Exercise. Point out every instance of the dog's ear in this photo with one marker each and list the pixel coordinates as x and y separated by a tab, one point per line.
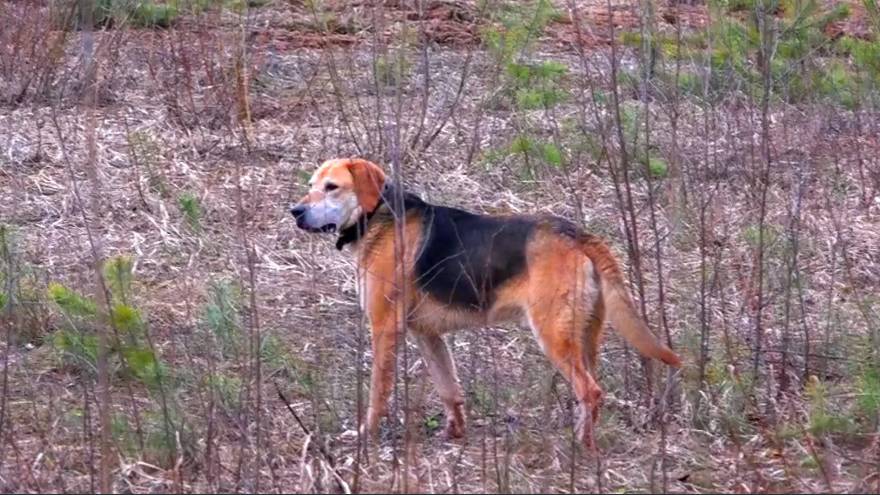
368	182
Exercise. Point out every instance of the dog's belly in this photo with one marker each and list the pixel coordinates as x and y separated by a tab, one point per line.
430	316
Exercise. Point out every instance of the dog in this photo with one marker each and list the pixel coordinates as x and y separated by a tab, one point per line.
463	270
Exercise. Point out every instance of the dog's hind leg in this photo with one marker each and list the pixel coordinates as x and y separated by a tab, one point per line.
566	352
441	367
594	327
562	319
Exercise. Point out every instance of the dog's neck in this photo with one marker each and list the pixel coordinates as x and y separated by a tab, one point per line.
358	229
393	204
355	231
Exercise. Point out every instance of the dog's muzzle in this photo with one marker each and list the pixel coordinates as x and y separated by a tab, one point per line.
299	213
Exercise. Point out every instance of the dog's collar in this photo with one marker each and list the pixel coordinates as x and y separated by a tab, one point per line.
397	202
355	231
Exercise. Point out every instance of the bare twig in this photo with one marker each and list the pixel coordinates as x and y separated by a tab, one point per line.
343	487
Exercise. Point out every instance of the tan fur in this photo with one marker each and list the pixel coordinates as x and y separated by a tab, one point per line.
620	308
565	295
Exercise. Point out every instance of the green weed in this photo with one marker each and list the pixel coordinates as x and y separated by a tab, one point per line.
221	316
192	211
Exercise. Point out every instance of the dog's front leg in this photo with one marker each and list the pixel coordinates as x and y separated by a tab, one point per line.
384	304
384	333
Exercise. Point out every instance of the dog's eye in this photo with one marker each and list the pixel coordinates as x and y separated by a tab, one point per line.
330	187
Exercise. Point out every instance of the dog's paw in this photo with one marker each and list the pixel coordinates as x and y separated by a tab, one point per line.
455	424
454	429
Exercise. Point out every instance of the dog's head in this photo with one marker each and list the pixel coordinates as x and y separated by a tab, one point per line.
340	191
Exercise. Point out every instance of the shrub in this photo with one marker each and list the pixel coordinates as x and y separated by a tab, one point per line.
221	317
77	343
145	151
527	85
22	299
228	391
192	211
77	350
824	417
158	436
113	13
391	71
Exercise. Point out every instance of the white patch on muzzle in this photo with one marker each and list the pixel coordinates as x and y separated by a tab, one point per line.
339	212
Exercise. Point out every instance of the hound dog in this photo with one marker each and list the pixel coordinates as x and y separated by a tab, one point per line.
464	270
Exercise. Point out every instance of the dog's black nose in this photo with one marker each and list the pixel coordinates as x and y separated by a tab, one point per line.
298	211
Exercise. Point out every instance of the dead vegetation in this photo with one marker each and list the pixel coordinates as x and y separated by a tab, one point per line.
750	229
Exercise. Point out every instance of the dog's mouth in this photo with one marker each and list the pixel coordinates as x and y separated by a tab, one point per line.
330	227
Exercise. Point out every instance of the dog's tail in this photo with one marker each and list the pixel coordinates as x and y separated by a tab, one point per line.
619	306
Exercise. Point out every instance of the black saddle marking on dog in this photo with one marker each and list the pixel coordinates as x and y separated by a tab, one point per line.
464	257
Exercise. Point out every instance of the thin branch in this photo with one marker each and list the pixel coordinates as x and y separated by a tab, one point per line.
343	487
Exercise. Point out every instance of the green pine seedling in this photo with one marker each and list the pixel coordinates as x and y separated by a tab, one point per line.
192	211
